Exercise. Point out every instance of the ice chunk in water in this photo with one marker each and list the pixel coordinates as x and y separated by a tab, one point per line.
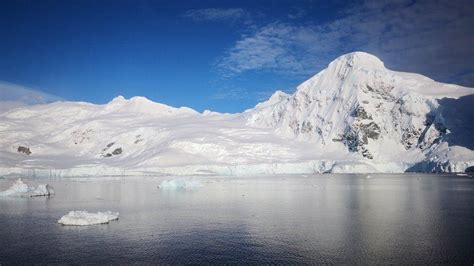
16	188
82	218
42	190
179	183
19	188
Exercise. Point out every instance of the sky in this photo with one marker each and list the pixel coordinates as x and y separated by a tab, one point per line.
224	56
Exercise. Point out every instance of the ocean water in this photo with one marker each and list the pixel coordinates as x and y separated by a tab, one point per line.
339	219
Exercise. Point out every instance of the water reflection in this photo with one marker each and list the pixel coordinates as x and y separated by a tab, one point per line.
294	219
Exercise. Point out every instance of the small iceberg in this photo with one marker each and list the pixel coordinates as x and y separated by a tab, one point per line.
179	184
43	190
19	188
82	218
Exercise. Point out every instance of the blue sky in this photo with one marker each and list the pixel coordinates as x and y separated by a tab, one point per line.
221	55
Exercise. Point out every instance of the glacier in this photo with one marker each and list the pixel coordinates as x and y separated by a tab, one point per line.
355	116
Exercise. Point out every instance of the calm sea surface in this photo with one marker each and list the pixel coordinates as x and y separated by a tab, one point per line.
284	219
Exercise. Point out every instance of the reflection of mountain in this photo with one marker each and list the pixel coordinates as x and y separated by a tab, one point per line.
354	116
334	219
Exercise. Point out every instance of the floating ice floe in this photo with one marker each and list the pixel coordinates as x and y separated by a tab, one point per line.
19	188
82	218
179	183
42	190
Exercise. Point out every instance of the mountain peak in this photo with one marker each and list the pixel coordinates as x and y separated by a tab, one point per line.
141	100
118	99
358	60
278	96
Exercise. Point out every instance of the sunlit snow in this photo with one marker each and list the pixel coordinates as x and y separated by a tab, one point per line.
356	116
82	218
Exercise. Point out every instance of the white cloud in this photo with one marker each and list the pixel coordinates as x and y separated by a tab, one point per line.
435	38
276	47
14	95
296	13
241	94
218	14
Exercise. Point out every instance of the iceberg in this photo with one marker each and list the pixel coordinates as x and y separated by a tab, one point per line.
179	184
42	190
19	188
83	218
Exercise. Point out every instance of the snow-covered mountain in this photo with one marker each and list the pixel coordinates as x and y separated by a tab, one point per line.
378	113
354	116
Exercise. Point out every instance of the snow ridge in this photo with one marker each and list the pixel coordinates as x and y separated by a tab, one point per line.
354	116
367	108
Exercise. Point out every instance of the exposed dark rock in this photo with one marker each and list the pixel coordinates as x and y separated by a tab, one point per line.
351	140
138	139
379	91
357	137
371	130
81	136
365	140
319	131
117	151
470	169
295	125
25	150
367	154
360	113
108	146
306	127
410	137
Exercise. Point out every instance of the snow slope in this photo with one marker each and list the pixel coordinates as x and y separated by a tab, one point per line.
354	116
383	115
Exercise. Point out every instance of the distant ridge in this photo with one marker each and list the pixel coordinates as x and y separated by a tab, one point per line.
355	116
